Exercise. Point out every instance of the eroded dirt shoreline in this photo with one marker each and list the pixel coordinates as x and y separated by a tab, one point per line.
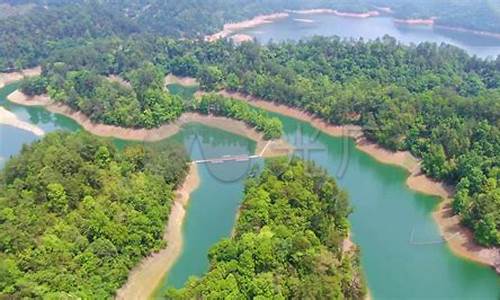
147	276
186	81
9	118
458	237
230	29
368	14
275	147
6	78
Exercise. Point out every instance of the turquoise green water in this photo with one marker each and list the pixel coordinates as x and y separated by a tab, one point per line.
184	91
388	220
388	216
213	206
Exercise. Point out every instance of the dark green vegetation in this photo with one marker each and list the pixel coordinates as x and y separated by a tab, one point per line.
76	215
435	101
219	105
39	27
140	101
287	244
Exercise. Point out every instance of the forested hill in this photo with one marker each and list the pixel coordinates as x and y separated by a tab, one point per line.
435	101
288	242
37	27
49	25
76	215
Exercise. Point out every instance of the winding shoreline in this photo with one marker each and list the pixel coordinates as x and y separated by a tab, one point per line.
458	237
230	29
6	78
368	14
267	149
428	22
10	119
144	278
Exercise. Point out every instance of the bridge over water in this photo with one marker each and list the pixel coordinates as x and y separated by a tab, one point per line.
226	158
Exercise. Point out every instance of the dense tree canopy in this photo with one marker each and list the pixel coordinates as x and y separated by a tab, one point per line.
434	101
141	102
287	244
76	215
31	29
238	110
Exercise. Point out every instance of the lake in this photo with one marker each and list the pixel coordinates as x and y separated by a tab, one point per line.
388	217
295	27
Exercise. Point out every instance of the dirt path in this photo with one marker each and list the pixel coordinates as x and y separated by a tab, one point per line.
146	277
459	238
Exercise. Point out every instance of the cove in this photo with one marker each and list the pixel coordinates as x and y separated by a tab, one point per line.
294	28
392	224
212	207
389	220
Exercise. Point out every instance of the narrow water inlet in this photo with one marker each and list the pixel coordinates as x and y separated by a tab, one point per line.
385	210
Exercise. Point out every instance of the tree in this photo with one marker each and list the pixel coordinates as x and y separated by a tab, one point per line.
276	250
210	77
83	217
56	197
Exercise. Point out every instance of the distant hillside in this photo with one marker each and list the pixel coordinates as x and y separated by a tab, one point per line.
31	29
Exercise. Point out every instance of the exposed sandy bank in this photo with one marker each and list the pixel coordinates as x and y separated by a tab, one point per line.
6	78
303	20
403	159
240	38
334	130
273	148
186	81
368	14
231	28
147	276
8	118
459	238
428	22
